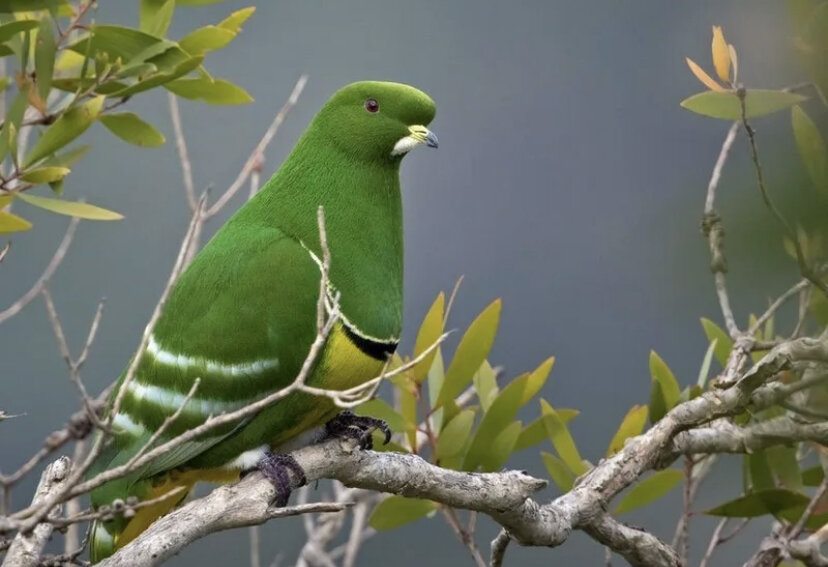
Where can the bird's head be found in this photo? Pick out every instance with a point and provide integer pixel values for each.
(378, 121)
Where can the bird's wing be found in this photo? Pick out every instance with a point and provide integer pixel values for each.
(240, 319)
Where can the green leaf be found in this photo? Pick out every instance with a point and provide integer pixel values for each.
(812, 45)
(430, 330)
(759, 470)
(723, 341)
(813, 476)
(485, 384)
(661, 373)
(131, 128)
(211, 91)
(649, 490)
(436, 376)
(197, 2)
(156, 16)
(502, 447)
(759, 503)
(12, 223)
(811, 148)
(408, 407)
(473, 349)
(70, 208)
(381, 410)
(396, 511)
(726, 104)
(234, 21)
(501, 413)
(45, 49)
(632, 425)
(9, 6)
(562, 440)
(785, 467)
(205, 39)
(160, 78)
(455, 434)
(537, 379)
(66, 128)
(704, 371)
(45, 174)
(657, 406)
(68, 158)
(558, 471)
(9, 30)
(131, 46)
(535, 432)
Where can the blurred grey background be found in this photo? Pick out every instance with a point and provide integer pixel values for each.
(568, 181)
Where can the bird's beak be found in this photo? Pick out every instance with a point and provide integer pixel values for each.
(417, 136)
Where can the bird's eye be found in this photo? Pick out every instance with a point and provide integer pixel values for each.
(371, 105)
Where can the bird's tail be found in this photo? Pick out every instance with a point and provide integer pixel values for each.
(110, 534)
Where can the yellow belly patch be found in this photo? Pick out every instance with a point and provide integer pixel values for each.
(343, 365)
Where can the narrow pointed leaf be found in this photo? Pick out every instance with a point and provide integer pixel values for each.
(661, 373)
(211, 91)
(632, 425)
(723, 342)
(704, 371)
(131, 128)
(205, 39)
(721, 54)
(726, 105)
(473, 349)
(45, 174)
(812, 149)
(12, 223)
(537, 379)
(501, 447)
(535, 433)
(702, 75)
(785, 466)
(396, 511)
(70, 208)
(759, 503)
(430, 330)
(561, 439)
(234, 21)
(381, 410)
(558, 471)
(156, 16)
(11, 29)
(69, 126)
(759, 470)
(45, 49)
(485, 384)
(649, 490)
(455, 434)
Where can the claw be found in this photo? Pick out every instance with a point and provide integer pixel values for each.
(351, 426)
(275, 467)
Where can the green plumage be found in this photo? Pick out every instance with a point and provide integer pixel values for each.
(242, 316)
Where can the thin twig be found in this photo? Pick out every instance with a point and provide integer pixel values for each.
(255, 158)
(183, 155)
(44, 278)
(499, 545)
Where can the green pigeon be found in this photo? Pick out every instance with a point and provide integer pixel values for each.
(242, 316)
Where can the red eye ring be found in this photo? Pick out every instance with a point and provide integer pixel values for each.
(371, 105)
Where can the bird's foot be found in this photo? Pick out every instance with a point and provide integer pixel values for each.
(276, 467)
(348, 425)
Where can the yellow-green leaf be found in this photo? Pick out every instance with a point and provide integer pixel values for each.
(705, 367)
(723, 341)
(156, 16)
(632, 425)
(381, 410)
(726, 105)
(812, 149)
(702, 75)
(70, 208)
(205, 39)
(485, 384)
(558, 471)
(561, 439)
(12, 223)
(649, 490)
(535, 432)
(211, 91)
(455, 434)
(45, 49)
(721, 54)
(661, 373)
(69, 126)
(501, 447)
(396, 511)
(45, 174)
(234, 21)
(473, 349)
(768, 501)
(537, 379)
(430, 331)
(133, 129)
(10, 29)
